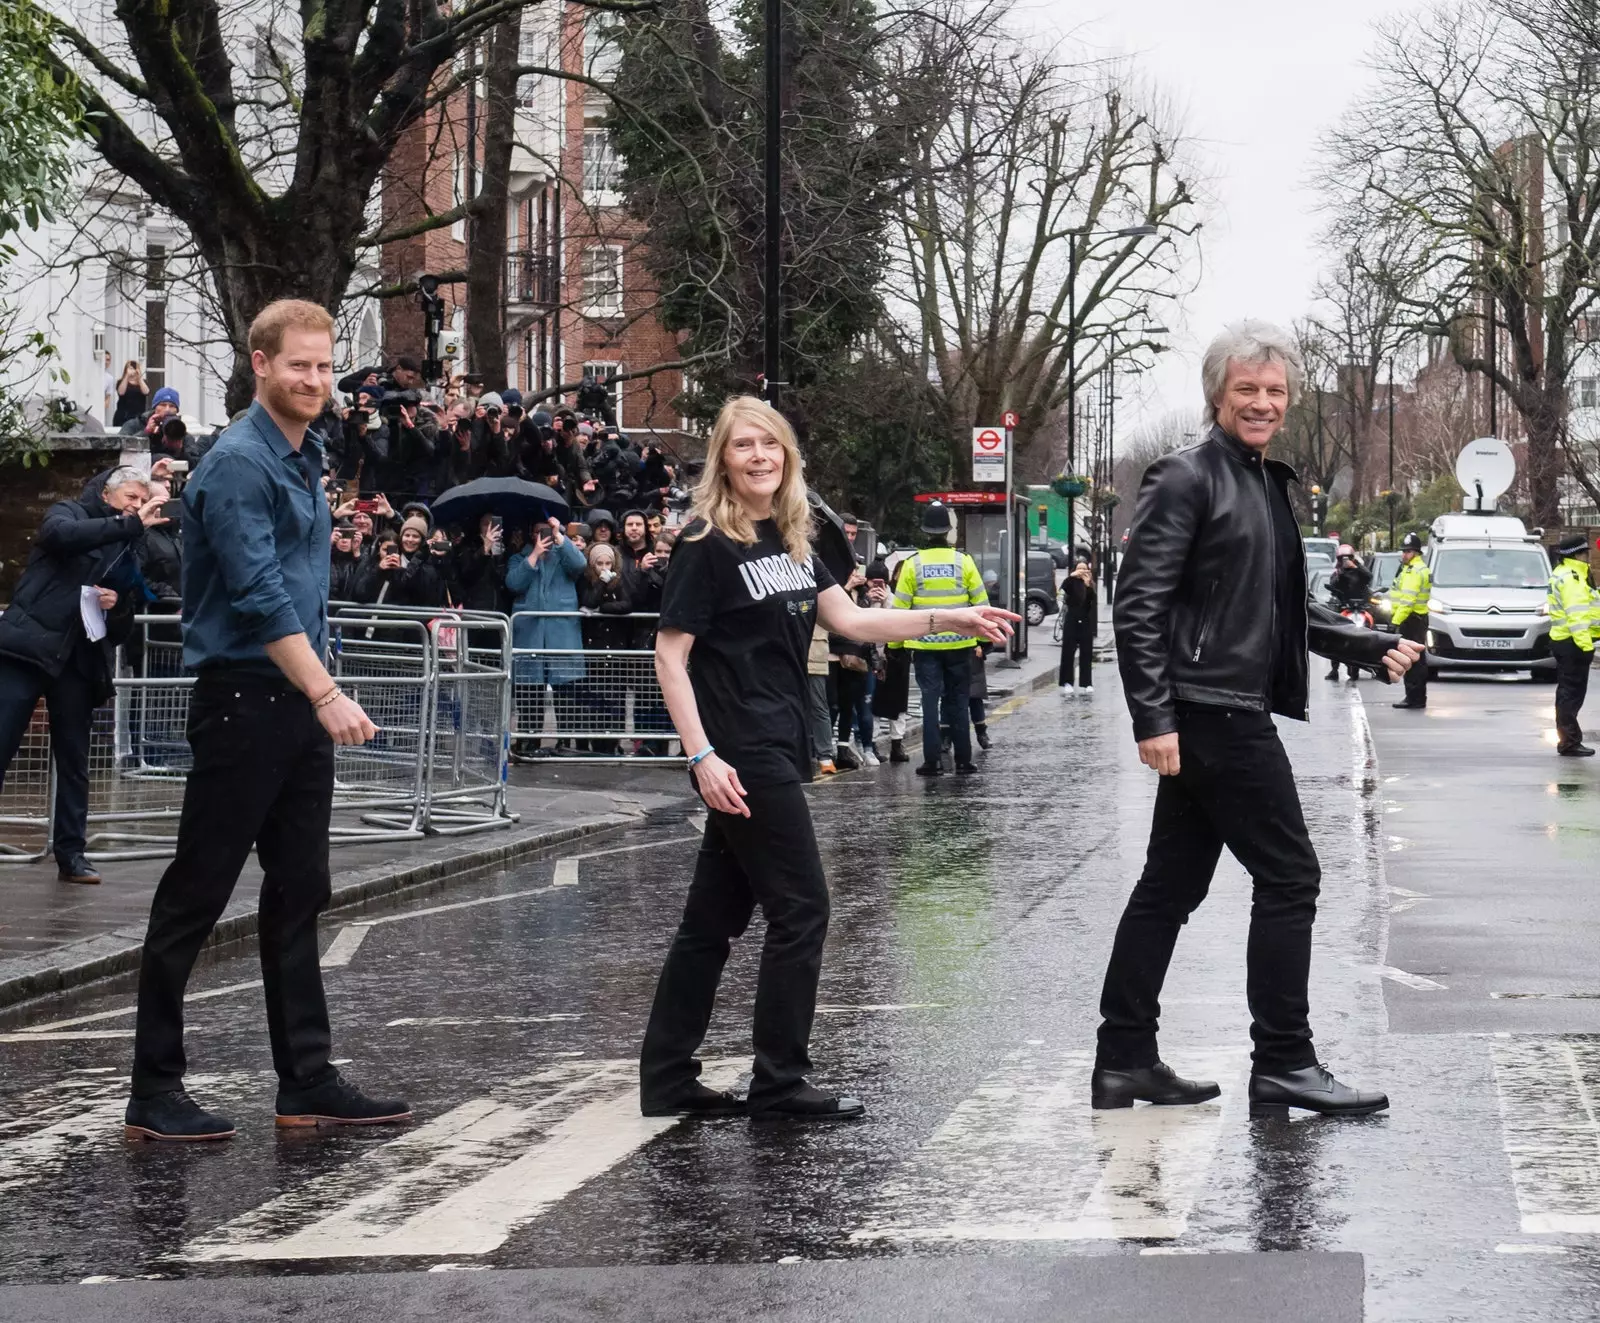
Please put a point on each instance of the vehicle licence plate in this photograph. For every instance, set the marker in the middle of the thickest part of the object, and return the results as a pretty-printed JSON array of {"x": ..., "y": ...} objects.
[{"x": 1494, "y": 643}]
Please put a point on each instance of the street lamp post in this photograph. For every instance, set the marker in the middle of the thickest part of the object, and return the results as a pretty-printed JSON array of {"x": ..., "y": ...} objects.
[
  {"x": 772, "y": 306},
  {"x": 1391, "y": 454},
  {"x": 1126, "y": 232}
]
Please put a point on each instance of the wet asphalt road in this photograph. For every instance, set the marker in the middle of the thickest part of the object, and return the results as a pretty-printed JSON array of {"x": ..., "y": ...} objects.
[{"x": 971, "y": 920}]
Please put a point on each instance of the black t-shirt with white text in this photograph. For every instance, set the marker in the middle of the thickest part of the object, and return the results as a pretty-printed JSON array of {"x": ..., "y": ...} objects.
[{"x": 751, "y": 610}]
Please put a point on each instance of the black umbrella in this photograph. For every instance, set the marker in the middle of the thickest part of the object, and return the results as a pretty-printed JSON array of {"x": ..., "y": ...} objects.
[
  {"x": 515, "y": 500},
  {"x": 831, "y": 544}
]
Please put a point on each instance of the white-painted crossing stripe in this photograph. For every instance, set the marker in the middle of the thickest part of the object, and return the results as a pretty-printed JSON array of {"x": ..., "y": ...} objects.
[
  {"x": 1024, "y": 1158},
  {"x": 1420, "y": 982},
  {"x": 65, "y": 1036},
  {"x": 458, "y": 1185},
  {"x": 1550, "y": 1130},
  {"x": 449, "y": 1021},
  {"x": 346, "y": 942},
  {"x": 566, "y": 874},
  {"x": 886, "y": 1006}
]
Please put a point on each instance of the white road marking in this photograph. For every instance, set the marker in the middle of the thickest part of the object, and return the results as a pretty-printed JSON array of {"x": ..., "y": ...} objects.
[
  {"x": 1518, "y": 1247},
  {"x": 1024, "y": 1158},
  {"x": 451, "y": 1021},
  {"x": 566, "y": 874},
  {"x": 65, "y": 1036},
  {"x": 1544, "y": 996},
  {"x": 886, "y": 1006},
  {"x": 1420, "y": 982},
  {"x": 1550, "y": 1131},
  {"x": 346, "y": 942},
  {"x": 129, "y": 1010},
  {"x": 458, "y": 1185}
]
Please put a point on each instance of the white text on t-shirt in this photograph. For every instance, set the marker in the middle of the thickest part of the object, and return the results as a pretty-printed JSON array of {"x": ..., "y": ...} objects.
[{"x": 776, "y": 574}]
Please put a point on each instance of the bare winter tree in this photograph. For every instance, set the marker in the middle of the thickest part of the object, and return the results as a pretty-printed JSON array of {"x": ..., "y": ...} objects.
[
  {"x": 1480, "y": 144},
  {"x": 1024, "y": 171},
  {"x": 265, "y": 140}
]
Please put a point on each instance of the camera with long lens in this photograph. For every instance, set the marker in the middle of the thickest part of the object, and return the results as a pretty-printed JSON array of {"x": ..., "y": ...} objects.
[{"x": 395, "y": 400}]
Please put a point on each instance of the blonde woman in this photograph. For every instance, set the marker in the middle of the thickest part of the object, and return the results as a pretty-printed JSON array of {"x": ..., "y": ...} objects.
[{"x": 742, "y": 596}]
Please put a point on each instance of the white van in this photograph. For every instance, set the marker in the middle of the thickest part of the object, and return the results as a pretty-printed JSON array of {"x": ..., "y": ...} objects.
[{"x": 1488, "y": 611}]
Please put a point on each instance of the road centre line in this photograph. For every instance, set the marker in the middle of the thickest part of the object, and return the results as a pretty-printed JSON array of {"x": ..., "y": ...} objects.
[{"x": 334, "y": 948}]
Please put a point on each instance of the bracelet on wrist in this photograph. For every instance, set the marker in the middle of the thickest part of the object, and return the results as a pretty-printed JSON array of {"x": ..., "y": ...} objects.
[
  {"x": 700, "y": 757},
  {"x": 328, "y": 697}
]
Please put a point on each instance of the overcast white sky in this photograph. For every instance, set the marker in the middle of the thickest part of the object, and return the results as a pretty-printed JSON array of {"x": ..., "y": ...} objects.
[{"x": 1259, "y": 82}]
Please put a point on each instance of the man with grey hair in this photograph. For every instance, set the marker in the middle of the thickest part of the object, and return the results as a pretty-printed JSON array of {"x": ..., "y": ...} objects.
[
  {"x": 1213, "y": 626},
  {"x": 73, "y": 605}
]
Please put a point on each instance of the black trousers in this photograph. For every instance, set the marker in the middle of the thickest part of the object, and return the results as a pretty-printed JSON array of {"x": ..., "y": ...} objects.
[
  {"x": 769, "y": 859},
  {"x": 1235, "y": 788},
  {"x": 1572, "y": 687},
  {"x": 1077, "y": 642},
  {"x": 1415, "y": 628},
  {"x": 69, "y": 698},
  {"x": 263, "y": 776},
  {"x": 852, "y": 690}
]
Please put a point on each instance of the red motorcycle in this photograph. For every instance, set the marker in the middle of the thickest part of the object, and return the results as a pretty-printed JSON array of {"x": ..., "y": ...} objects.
[{"x": 1360, "y": 614}]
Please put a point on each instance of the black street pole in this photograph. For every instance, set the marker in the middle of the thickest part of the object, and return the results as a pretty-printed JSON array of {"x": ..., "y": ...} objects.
[
  {"x": 1494, "y": 353},
  {"x": 772, "y": 307},
  {"x": 1072, "y": 376},
  {"x": 1391, "y": 454}
]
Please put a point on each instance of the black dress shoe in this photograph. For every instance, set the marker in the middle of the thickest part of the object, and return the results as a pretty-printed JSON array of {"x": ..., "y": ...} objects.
[
  {"x": 1407, "y": 703},
  {"x": 173, "y": 1115},
  {"x": 77, "y": 868},
  {"x": 982, "y": 734},
  {"x": 1575, "y": 751},
  {"x": 966, "y": 769},
  {"x": 809, "y": 1104},
  {"x": 1314, "y": 1089},
  {"x": 336, "y": 1101},
  {"x": 930, "y": 769},
  {"x": 897, "y": 752},
  {"x": 698, "y": 1101},
  {"x": 1158, "y": 1084}
]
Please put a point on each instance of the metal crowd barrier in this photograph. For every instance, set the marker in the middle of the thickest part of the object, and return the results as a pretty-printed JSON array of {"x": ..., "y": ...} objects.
[
  {"x": 437, "y": 684},
  {"x": 590, "y": 704}
]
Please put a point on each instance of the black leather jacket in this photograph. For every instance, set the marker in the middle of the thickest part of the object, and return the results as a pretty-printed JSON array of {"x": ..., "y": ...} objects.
[{"x": 1196, "y": 612}]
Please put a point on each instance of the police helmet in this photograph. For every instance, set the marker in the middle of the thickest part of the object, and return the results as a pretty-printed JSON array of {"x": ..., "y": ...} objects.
[
  {"x": 936, "y": 519},
  {"x": 1577, "y": 544},
  {"x": 1411, "y": 542}
]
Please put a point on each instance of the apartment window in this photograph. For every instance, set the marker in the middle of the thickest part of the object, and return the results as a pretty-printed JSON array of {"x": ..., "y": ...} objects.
[
  {"x": 602, "y": 171},
  {"x": 155, "y": 344},
  {"x": 601, "y": 54},
  {"x": 602, "y": 281},
  {"x": 155, "y": 269},
  {"x": 533, "y": 47},
  {"x": 1586, "y": 393},
  {"x": 606, "y": 372}
]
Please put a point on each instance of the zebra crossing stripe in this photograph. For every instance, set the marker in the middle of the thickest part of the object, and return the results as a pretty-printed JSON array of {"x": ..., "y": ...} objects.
[
  {"x": 460, "y": 1184},
  {"x": 1024, "y": 1158},
  {"x": 1550, "y": 1125}
]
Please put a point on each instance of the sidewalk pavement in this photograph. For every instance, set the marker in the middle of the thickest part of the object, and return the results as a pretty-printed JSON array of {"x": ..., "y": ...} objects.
[{"x": 55, "y": 936}]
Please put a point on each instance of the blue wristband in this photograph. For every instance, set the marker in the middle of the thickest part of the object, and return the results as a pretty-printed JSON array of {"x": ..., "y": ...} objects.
[{"x": 702, "y": 755}]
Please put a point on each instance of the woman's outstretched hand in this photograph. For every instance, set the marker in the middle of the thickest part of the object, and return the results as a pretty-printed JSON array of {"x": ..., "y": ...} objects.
[{"x": 979, "y": 622}]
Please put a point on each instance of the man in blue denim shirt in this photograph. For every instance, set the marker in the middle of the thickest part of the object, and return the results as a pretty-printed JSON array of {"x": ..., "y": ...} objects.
[{"x": 264, "y": 717}]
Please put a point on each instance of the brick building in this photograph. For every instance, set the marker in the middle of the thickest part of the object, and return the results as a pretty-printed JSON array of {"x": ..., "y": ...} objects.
[{"x": 577, "y": 293}]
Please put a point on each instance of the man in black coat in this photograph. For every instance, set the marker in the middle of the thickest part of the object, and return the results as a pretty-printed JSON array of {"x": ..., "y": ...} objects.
[
  {"x": 45, "y": 644},
  {"x": 1213, "y": 626}
]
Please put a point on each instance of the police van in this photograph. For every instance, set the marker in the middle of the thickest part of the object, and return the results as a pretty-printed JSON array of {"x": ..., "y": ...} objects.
[{"x": 1488, "y": 611}]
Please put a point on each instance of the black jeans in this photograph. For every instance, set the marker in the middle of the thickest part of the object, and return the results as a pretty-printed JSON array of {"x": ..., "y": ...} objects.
[
  {"x": 69, "y": 699},
  {"x": 945, "y": 677},
  {"x": 852, "y": 689},
  {"x": 1572, "y": 687},
  {"x": 1415, "y": 628},
  {"x": 1077, "y": 642},
  {"x": 1235, "y": 788},
  {"x": 263, "y": 776},
  {"x": 768, "y": 859}
]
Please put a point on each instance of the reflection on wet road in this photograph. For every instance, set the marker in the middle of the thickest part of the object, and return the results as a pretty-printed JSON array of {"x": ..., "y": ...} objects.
[{"x": 971, "y": 922}]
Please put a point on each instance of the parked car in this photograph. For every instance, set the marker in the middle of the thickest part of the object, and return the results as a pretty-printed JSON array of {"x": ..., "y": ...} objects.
[
  {"x": 1041, "y": 596},
  {"x": 1057, "y": 551}
]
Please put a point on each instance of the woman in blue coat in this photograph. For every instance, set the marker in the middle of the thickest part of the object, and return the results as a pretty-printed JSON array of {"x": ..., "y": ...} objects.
[{"x": 544, "y": 577}]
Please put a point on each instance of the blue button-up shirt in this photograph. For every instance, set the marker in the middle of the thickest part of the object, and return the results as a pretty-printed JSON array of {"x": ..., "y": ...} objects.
[{"x": 256, "y": 532}]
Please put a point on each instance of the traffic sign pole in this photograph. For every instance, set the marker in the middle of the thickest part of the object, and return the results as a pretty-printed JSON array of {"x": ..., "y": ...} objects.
[{"x": 1017, "y": 545}]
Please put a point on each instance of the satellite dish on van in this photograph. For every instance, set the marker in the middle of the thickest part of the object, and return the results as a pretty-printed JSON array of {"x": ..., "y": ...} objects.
[{"x": 1485, "y": 468}]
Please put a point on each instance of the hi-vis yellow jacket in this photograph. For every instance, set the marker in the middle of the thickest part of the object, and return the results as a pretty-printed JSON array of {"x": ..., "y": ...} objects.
[
  {"x": 1413, "y": 585},
  {"x": 937, "y": 579},
  {"x": 1574, "y": 612}
]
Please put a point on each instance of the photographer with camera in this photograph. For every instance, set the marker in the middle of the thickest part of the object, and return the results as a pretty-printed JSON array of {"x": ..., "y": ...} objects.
[
  {"x": 164, "y": 404},
  {"x": 492, "y": 454},
  {"x": 544, "y": 578},
  {"x": 344, "y": 562}
]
